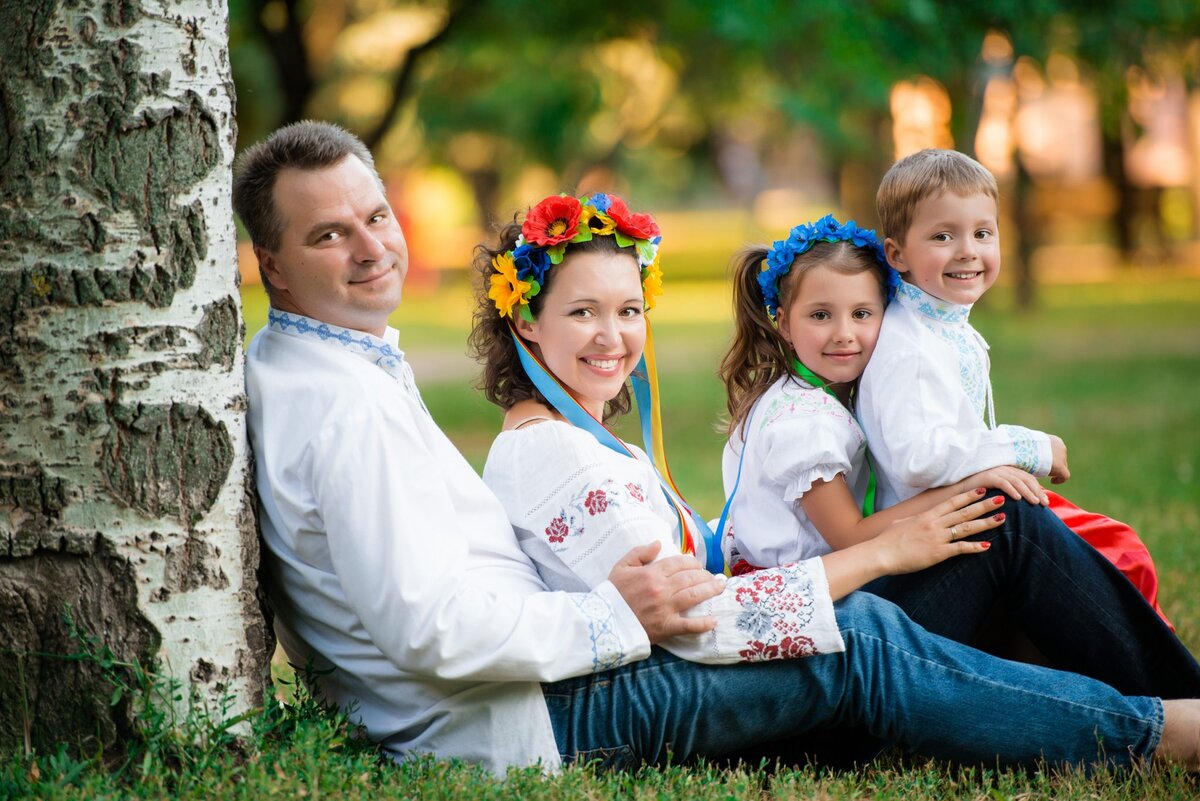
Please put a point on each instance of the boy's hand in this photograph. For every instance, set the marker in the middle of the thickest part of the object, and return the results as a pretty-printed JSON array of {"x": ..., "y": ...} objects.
[
  {"x": 659, "y": 592},
  {"x": 1059, "y": 472},
  {"x": 1013, "y": 481}
]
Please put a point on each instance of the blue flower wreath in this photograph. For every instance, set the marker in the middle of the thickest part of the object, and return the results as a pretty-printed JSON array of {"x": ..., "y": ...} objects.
[{"x": 801, "y": 239}]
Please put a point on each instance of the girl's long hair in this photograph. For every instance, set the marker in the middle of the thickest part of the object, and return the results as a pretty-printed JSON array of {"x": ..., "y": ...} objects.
[{"x": 759, "y": 355}]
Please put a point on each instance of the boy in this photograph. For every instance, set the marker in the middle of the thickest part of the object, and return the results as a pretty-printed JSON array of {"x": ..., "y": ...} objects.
[{"x": 925, "y": 399}]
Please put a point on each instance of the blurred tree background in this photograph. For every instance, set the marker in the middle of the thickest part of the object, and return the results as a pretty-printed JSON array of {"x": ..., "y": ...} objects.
[{"x": 751, "y": 116}]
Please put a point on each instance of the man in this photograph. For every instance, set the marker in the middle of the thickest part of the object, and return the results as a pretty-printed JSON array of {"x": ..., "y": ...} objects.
[
  {"x": 391, "y": 566},
  {"x": 388, "y": 559}
]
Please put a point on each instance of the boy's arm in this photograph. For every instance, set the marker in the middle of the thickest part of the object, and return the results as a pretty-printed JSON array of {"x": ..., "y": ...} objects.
[{"x": 923, "y": 432}]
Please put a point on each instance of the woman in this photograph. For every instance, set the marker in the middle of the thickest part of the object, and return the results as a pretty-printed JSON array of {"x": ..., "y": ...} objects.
[{"x": 563, "y": 306}]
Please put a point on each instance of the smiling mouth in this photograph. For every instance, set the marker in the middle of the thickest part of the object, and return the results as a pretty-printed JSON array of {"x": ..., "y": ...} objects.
[
  {"x": 602, "y": 364},
  {"x": 842, "y": 355},
  {"x": 964, "y": 276}
]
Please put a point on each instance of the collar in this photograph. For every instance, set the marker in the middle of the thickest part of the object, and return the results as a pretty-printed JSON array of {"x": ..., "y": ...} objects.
[
  {"x": 383, "y": 352},
  {"x": 928, "y": 306}
]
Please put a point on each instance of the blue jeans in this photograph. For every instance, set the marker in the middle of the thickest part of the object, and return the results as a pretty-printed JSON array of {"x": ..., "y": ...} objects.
[
  {"x": 895, "y": 681},
  {"x": 1072, "y": 603}
]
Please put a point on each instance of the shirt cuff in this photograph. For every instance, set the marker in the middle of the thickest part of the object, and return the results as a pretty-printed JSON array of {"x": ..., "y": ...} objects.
[
  {"x": 1031, "y": 449},
  {"x": 633, "y": 637}
]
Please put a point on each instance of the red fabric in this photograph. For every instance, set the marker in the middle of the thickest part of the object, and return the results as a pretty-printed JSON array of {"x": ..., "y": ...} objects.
[{"x": 1119, "y": 543}]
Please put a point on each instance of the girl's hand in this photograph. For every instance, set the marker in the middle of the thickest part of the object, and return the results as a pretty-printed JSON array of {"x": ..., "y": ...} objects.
[
  {"x": 1013, "y": 481},
  {"x": 931, "y": 537}
]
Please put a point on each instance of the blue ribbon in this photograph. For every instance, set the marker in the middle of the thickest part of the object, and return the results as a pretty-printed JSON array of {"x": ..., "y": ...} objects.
[{"x": 566, "y": 405}]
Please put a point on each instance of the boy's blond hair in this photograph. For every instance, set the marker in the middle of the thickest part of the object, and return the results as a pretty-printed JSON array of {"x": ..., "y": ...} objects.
[{"x": 927, "y": 173}]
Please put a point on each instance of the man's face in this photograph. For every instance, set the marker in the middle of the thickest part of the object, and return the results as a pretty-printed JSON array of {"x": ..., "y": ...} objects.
[{"x": 342, "y": 257}]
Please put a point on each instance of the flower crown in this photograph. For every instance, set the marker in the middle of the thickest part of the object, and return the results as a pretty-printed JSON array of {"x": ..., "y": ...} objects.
[
  {"x": 561, "y": 220},
  {"x": 801, "y": 239}
]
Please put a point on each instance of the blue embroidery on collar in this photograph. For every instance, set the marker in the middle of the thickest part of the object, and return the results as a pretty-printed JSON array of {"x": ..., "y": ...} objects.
[
  {"x": 931, "y": 307},
  {"x": 359, "y": 342}
]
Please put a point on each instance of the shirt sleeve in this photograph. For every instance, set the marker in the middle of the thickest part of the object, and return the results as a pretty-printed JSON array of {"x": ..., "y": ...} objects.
[
  {"x": 922, "y": 426},
  {"x": 801, "y": 450},
  {"x": 583, "y": 509},
  {"x": 399, "y": 550}
]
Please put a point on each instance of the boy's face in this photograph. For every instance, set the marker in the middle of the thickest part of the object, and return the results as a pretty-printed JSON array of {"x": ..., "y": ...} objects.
[{"x": 952, "y": 248}]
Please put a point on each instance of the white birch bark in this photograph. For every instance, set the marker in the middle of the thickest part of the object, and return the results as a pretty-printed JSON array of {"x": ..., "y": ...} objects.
[{"x": 124, "y": 464}]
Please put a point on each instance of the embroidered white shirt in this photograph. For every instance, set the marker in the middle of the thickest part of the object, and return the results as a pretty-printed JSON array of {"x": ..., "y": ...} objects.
[
  {"x": 924, "y": 402},
  {"x": 389, "y": 560},
  {"x": 578, "y": 507},
  {"x": 798, "y": 435}
]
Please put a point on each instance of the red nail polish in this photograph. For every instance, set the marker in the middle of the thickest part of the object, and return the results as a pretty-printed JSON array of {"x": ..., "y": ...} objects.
[
  {"x": 985, "y": 545},
  {"x": 980, "y": 490},
  {"x": 999, "y": 499},
  {"x": 999, "y": 518}
]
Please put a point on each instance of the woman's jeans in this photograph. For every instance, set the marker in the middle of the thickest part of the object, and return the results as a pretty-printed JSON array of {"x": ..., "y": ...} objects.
[
  {"x": 898, "y": 683},
  {"x": 895, "y": 682}
]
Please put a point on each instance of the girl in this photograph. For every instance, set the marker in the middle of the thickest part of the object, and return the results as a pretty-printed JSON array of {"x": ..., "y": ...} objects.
[
  {"x": 560, "y": 327},
  {"x": 807, "y": 314}
]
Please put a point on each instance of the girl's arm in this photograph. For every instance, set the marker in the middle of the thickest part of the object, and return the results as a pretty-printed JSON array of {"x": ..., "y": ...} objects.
[
  {"x": 832, "y": 509},
  {"x": 916, "y": 543}
]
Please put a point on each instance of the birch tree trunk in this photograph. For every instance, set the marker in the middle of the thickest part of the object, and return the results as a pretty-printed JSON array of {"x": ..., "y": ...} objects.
[{"x": 124, "y": 479}]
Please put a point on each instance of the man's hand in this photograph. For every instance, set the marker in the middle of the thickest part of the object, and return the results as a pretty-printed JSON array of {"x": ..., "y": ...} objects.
[
  {"x": 1059, "y": 472},
  {"x": 660, "y": 592}
]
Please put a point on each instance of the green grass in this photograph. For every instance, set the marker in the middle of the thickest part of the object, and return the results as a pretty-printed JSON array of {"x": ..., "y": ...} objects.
[{"x": 1113, "y": 369}]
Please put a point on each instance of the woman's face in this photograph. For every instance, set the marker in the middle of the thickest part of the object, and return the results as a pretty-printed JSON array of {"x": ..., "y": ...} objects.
[{"x": 591, "y": 330}]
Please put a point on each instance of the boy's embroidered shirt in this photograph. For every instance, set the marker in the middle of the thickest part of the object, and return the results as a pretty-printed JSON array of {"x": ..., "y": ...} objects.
[
  {"x": 799, "y": 435},
  {"x": 578, "y": 507},
  {"x": 949, "y": 322},
  {"x": 388, "y": 559},
  {"x": 924, "y": 402}
]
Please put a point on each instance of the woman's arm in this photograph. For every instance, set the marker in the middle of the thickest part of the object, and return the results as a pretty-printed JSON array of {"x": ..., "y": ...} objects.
[
  {"x": 914, "y": 544},
  {"x": 837, "y": 516}
]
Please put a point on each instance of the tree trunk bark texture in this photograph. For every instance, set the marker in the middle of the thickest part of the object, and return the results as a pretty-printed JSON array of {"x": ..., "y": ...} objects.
[{"x": 124, "y": 481}]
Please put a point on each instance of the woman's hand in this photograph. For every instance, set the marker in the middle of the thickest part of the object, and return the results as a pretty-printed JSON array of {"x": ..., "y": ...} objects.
[
  {"x": 915, "y": 543},
  {"x": 936, "y": 535},
  {"x": 1018, "y": 484}
]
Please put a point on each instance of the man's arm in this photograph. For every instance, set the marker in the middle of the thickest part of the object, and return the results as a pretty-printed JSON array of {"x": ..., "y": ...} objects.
[
  {"x": 660, "y": 592},
  {"x": 402, "y": 516}
]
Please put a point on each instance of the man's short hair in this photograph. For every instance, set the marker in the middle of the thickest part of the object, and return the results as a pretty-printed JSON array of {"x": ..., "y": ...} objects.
[
  {"x": 927, "y": 173},
  {"x": 306, "y": 145}
]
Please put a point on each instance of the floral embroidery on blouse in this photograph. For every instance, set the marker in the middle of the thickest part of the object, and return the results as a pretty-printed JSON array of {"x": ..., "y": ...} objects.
[
  {"x": 589, "y": 502},
  {"x": 607, "y": 652},
  {"x": 776, "y": 609}
]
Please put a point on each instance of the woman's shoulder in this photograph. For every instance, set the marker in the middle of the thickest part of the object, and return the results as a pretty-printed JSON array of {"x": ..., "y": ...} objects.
[{"x": 546, "y": 446}]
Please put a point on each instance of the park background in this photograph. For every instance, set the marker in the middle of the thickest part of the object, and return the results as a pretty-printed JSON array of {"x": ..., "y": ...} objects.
[{"x": 731, "y": 122}]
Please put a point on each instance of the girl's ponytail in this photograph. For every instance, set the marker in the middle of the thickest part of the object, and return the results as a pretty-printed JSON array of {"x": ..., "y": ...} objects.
[{"x": 758, "y": 355}]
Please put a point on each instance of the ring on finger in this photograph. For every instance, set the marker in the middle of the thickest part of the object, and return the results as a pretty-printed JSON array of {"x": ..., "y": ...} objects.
[{"x": 954, "y": 531}]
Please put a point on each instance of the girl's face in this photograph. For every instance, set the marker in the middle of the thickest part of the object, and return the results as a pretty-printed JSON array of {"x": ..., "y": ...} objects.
[
  {"x": 591, "y": 330},
  {"x": 833, "y": 322}
]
